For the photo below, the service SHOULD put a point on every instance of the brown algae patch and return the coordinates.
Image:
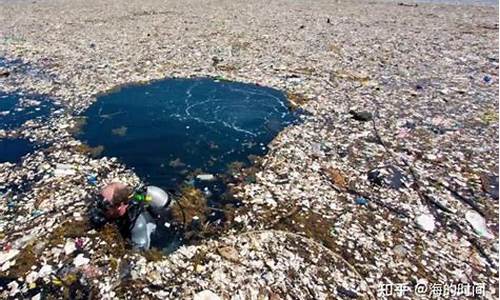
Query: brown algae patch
(296, 100)
(91, 151)
(154, 255)
(24, 261)
(120, 131)
(309, 224)
(77, 124)
(190, 205)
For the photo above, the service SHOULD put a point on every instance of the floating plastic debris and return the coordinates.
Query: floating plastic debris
(205, 177)
(478, 223)
(16, 108)
(426, 222)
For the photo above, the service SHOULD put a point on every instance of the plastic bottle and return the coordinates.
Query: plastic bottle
(141, 232)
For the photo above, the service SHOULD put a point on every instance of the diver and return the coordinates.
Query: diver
(134, 211)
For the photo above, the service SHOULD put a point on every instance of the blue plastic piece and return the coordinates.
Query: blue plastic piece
(361, 201)
(92, 179)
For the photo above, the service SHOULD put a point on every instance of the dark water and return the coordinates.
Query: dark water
(11, 150)
(170, 128)
(16, 108)
(173, 129)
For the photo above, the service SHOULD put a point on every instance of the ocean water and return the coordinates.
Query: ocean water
(17, 108)
(11, 150)
(172, 130)
(169, 129)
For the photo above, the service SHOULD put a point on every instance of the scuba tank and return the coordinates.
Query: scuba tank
(156, 197)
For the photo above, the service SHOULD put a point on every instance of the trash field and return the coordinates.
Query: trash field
(386, 188)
